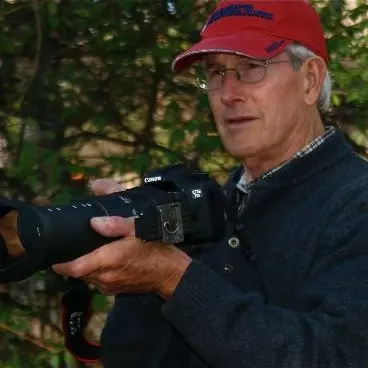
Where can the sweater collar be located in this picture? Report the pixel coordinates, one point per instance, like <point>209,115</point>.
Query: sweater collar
<point>246,182</point>
<point>302,167</point>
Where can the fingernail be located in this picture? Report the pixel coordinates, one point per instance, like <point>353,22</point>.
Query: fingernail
<point>91,184</point>
<point>99,220</point>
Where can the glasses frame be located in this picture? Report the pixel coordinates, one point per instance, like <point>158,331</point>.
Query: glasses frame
<point>223,72</point>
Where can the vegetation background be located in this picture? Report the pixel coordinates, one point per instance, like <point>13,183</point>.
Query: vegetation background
<point>87,91</point>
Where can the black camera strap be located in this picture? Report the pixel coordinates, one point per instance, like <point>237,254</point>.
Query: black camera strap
<point>77,312</point>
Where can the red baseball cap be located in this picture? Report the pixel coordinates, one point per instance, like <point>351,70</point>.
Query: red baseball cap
<point>258,29</point>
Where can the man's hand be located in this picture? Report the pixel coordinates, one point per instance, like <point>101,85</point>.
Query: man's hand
<point>129,264</point>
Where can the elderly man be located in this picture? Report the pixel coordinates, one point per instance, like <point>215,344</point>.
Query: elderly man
<point>294,292</point>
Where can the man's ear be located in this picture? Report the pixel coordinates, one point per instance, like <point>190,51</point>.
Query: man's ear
<point>314,71</point>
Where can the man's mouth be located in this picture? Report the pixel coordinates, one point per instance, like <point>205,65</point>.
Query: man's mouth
<point>239,120</point>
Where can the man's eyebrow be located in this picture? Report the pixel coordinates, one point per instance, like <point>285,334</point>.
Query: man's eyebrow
<point>211,63</point>
<point>217,64</point>
<point>214,65</point>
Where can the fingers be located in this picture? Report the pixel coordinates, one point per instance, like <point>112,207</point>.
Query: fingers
<point>101,257</point>
<point>104,186</point>
<point>110,226</point>
<point>113,226</point>
<point>108,258</point>
<point>83,266</point>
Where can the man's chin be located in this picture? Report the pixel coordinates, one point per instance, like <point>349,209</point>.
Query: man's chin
<point>241,153</point>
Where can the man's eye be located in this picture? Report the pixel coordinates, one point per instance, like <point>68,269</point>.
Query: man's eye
<point>252,66</point>
<point>213,73</point>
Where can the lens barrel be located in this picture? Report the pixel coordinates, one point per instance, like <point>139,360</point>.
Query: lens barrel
<point>174,205</point>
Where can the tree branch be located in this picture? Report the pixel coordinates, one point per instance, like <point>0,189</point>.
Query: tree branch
<point>99,136</point>
<point>39,36</point>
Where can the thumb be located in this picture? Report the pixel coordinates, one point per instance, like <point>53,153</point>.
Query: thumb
<point>104,186</point>
<point>113,226</point>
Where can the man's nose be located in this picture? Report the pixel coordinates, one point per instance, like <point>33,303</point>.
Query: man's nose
<point>231,89</point>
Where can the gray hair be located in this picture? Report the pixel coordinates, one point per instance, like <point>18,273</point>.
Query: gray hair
<point>298,54</point>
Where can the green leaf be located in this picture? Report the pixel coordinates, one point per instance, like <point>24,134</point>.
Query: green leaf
<point>83,13</point>
<point>336,100</point>
<point>53,18</point>
<point>99,303</point>
<point>177,136</point>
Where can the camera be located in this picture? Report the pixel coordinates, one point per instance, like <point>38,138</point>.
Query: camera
<point>174,205</point>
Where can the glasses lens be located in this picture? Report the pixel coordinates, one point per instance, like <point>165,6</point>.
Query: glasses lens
<point>250,71</point>
<point>247,71</point>
<point>200,78</point>
<point>209,78</point>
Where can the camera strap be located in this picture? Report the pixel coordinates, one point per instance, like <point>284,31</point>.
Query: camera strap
<point>77,312</point>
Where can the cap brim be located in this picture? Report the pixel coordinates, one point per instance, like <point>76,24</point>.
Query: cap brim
<point>253,45</point>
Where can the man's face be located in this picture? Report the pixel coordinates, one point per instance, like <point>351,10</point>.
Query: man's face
<point>266,120</point>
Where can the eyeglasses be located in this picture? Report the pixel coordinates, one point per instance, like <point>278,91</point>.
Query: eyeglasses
<point>211,78</point>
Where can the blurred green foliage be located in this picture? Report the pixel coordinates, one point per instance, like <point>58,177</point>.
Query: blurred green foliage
<point>87,91</point>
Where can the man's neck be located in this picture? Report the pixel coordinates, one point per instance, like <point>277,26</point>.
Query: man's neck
<point>266,161</point>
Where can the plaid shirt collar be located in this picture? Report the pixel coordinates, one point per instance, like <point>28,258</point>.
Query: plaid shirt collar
<point>246,183</point>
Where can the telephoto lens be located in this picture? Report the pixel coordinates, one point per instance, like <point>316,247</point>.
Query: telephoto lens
<point>175,205</point>
<point>35,237</point>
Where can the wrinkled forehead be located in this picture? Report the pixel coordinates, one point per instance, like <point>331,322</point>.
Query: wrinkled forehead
<point>223,59</point>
